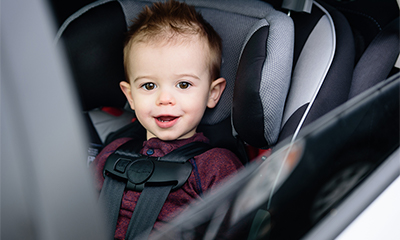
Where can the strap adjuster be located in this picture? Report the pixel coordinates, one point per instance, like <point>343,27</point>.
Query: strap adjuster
<point>142,170</point>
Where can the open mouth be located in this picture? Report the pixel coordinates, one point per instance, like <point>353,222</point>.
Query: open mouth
<point>166,118</point>
<point>166,121</point>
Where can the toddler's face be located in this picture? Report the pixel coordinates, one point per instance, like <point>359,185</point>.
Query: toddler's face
<point>170,87</point>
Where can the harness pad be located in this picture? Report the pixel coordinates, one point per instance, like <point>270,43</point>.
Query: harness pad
<point>139,170</point>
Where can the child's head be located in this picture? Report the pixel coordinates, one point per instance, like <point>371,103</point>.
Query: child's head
<point>169,22</point>
<point>172,60</point>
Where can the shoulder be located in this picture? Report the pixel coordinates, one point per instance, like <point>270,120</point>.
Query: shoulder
<point>220,156</point>
<point>215,165</point>
<point>109,149</point>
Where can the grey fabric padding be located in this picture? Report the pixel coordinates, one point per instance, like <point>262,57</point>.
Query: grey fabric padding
<point>234,21</point>
<point>254,28</point>
<point>259,24</point>
<point>312,67</point>
<point>106,123</point>
<point>276,73</point>
<point>233,33</point>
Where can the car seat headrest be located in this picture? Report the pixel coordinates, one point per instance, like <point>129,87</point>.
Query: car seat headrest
<point>263,81</point>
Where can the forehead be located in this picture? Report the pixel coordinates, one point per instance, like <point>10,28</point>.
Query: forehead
<point>170,39</point>
<point>179,50</point>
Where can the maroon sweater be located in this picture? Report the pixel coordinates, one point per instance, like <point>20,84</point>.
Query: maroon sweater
<point>209,168</point>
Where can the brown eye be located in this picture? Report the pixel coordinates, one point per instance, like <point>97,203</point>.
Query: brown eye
<point>184,85</point>
<point>149,86</point>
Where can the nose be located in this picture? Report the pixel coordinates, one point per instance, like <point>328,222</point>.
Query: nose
<point>165,97</point>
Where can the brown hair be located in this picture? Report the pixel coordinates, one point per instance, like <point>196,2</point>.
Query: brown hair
<point>165,21</point>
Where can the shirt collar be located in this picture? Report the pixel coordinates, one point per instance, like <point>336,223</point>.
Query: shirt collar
<point>157,148</point>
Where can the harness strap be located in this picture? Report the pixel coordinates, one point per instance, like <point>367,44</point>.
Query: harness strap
<point>147,209</point>
<point>111,197</point>
<point>154,193</point>
<point>152,198</point>
<point>186,152</point>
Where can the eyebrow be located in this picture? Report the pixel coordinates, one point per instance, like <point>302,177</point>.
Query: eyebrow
<point>140,77</point>
<point>177,75</point>
<point>188,75</point>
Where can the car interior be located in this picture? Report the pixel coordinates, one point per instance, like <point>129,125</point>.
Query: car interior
<point>310,60</point>
<point>323,50</point>
<point>318,80</point>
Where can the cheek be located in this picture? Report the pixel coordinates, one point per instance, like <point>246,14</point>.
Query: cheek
<point>141,106</point>
<point>196,105</point>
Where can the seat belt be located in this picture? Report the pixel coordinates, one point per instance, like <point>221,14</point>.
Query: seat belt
<point>110,199</point>
<point>112,191</point>
<point>147,209</point>
<point>154,176</point>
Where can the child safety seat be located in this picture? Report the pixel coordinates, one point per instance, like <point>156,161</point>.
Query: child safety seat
<point>323,64</point>
<point>323,78</point>
<point>257,49</point>
<point>93,40</point>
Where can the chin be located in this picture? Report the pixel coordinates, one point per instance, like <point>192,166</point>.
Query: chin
<point>168,137</point>
<point>173,137</point>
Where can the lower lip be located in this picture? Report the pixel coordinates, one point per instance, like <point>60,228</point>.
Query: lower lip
<point>167,124</point>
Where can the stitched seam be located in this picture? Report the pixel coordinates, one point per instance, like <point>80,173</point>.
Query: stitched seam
<point>197,176</point>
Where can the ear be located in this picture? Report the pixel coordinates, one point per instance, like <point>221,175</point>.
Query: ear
<point>126,89</point>
<point>216,89</point>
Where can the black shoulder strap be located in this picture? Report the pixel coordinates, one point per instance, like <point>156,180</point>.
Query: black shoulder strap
<point>186,152</point>
<point>153,194</point>
<point>147,209</point>
<point>152,198</point>
<point>110,200</point>
<point>134,130</point>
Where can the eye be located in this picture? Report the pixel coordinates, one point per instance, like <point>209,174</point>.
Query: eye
<point>148,86</point>
<point>183,85</point>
